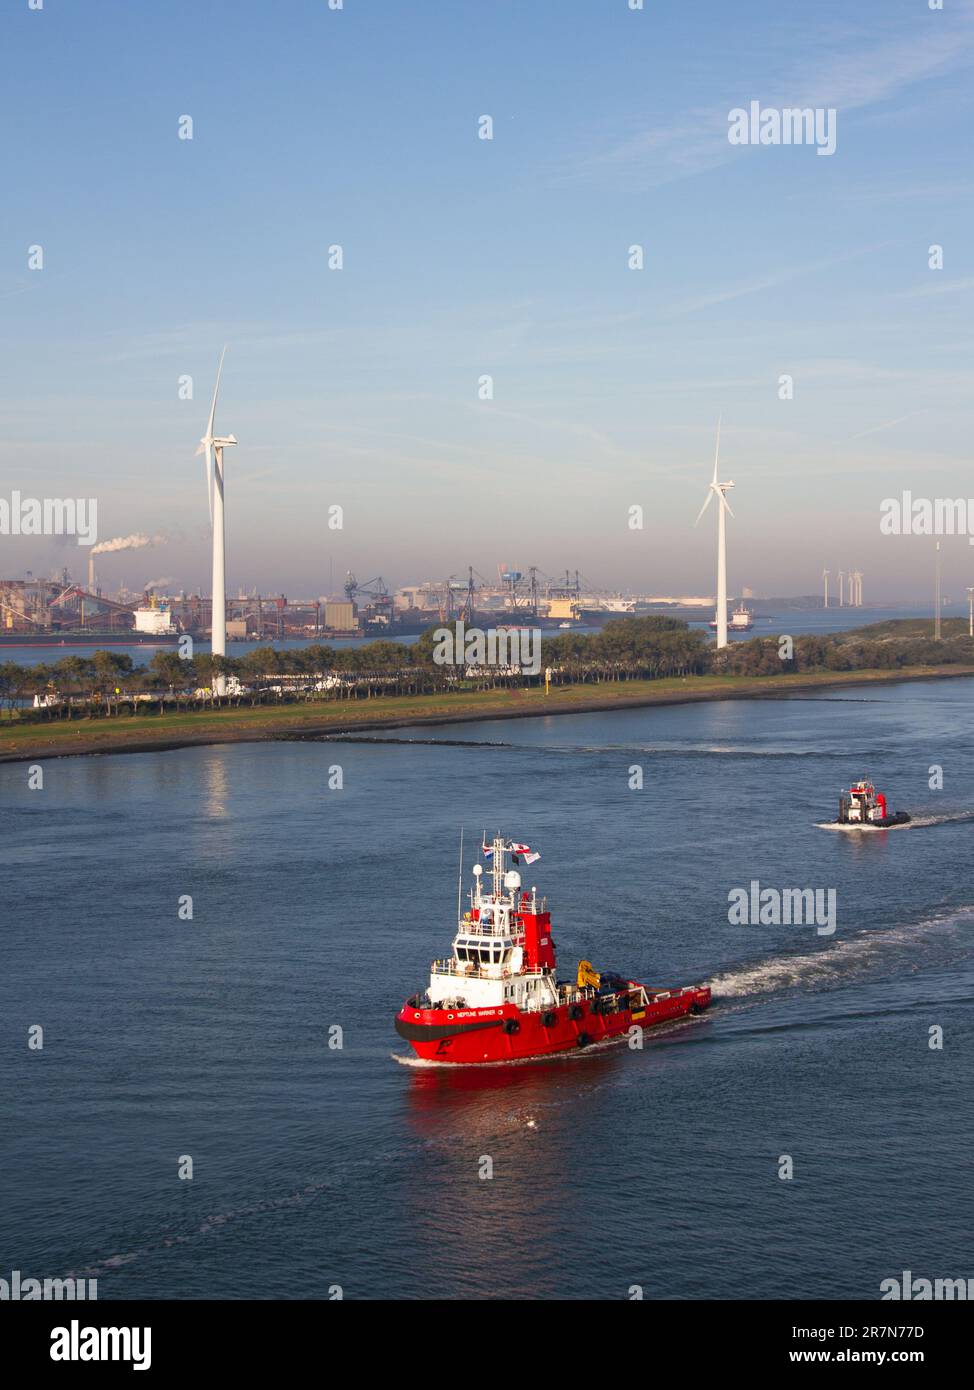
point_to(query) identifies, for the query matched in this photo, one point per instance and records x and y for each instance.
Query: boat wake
(659, 750)
(834, 964)
(682, 750)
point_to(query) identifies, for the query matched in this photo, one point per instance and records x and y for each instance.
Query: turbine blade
(726, 504)
(707, 501)
(216, 392)
(717, 450)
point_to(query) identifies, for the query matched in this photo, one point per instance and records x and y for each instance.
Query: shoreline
(294, 723)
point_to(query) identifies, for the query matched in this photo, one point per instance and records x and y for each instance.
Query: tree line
(649, 648)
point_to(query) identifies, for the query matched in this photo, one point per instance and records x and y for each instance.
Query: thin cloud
(697, 141)
(768, 282)
(937, 286)
(886, 425)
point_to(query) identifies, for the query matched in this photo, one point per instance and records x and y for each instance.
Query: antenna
(460, 880)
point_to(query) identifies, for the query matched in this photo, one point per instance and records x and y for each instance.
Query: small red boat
(497, 997)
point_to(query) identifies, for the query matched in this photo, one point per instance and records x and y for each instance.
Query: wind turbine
(212, 447)
(723, 506)
(825, 576)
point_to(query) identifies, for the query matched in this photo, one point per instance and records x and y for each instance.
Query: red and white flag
(526, 852)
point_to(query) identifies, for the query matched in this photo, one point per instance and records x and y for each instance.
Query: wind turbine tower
(842, 588)
(720, 489)
(825, 576)
(938, 600)
(212, 447)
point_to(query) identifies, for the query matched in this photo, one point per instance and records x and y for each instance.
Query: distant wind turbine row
(854, 578)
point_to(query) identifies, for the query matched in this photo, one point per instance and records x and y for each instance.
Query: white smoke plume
(162, 583)
(135, 542)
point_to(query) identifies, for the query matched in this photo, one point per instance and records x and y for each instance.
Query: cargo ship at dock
(497, 998)
(87, 638)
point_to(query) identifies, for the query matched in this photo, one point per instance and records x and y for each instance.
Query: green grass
(18, 739)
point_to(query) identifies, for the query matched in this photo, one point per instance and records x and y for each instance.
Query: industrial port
(66, 609)
(61, 608)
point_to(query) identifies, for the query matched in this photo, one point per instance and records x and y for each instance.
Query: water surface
(316, 1167)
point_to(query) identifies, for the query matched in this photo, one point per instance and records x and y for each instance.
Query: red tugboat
(863, 805)
(497, 998)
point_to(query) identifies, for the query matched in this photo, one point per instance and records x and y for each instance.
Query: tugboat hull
(508, 1034)
(898, 818)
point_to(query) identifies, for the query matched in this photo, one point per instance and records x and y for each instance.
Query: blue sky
(508, 257)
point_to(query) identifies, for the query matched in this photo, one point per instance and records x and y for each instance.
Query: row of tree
(842, 652)
(627, 649)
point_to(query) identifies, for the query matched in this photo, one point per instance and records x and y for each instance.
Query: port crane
(379, 608)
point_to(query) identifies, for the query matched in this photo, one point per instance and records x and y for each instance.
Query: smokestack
(134, 542)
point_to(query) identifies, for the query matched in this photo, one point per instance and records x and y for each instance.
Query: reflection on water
(439, 1090)
(216, 783)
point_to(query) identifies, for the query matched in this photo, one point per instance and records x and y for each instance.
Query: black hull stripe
(432, 1032)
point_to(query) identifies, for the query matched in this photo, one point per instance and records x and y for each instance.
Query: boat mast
(498, 869)
(460, 881)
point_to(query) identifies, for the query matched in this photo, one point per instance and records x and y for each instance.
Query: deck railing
(469, 971)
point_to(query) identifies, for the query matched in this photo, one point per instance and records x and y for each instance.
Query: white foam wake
(832, 963)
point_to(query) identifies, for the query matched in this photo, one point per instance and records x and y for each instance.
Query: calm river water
(315, 1167)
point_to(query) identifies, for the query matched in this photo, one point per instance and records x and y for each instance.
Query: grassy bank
(147, 732)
